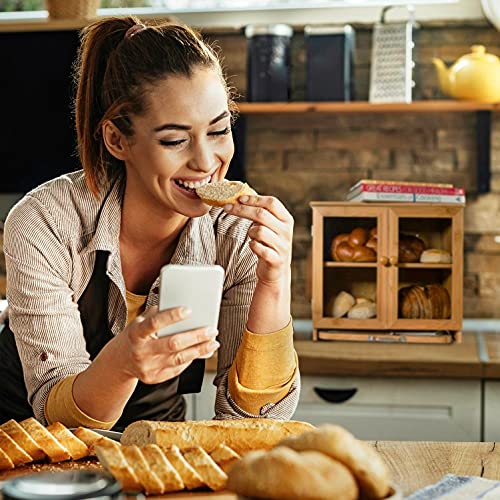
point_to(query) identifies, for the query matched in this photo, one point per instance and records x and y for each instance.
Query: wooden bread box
(387, 271)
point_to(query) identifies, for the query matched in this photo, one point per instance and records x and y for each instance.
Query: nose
(203, 157)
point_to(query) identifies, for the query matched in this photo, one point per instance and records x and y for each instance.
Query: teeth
(193, 185)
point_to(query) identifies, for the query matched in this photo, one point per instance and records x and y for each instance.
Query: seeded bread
(218, 194)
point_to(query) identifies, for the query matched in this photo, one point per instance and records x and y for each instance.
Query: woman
(84, 251)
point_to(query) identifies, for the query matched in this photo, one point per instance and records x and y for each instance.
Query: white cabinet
(395, 409)
(383, 408)
(492, 410)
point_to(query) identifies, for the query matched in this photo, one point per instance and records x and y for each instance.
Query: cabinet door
(436, 302)
(492, 410)
(394, 409)
(332, 276)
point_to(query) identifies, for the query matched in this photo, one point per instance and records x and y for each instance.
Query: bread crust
(359, 457)
(309, 475)
(23, 439)
(242, 435)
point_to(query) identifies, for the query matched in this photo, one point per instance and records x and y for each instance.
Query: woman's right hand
(143, 355)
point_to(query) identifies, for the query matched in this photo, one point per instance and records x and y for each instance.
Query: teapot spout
(443, 74)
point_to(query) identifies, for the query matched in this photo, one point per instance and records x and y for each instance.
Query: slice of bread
(224, 457)
(89, 437)
(5, 461)
(13, 450)
(47, 442)
(23, 439)
(147, 477)
(162, 468)
(218, 194)
(211, 474)
(189, 476)
(111, 457)
(77, 448)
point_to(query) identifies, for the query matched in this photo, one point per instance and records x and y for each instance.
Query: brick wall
(306, 157)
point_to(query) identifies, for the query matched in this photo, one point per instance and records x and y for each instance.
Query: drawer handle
(335, 395)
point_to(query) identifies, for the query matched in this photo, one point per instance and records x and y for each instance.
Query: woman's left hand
(271, 235)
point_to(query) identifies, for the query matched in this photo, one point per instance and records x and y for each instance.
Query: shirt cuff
(61, 407)
(264, 369)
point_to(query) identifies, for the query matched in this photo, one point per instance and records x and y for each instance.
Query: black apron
(148, 402)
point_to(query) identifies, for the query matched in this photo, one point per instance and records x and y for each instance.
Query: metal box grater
(392, 61)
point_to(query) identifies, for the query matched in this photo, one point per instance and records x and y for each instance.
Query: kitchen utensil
(392, 60)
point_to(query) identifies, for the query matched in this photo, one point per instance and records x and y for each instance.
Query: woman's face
(182, 140)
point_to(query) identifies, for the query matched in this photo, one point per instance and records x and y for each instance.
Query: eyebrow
(177, 126)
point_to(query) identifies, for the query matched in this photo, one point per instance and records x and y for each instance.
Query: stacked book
(400, 191)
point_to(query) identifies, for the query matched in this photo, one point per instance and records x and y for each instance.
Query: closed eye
(224, 131)
(172, 143)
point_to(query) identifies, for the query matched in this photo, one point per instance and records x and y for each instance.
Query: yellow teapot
(473, 77)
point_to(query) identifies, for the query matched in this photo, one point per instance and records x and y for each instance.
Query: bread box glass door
(347, 277)
(425, 268)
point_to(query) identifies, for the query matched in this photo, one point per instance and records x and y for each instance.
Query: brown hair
(112, 72)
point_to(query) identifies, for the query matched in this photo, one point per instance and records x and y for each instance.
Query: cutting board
(93, 464)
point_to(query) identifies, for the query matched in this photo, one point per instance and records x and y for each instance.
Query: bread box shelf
(393, 292)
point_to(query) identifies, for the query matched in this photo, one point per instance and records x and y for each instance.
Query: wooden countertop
(476, 357)
(412, 465)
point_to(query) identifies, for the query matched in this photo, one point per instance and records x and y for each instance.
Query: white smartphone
(197, 287)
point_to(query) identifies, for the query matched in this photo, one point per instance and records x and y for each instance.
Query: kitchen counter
(476, 357)
(414, 465)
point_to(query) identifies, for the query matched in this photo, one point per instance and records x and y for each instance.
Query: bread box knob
(393, 260)
(384, 260)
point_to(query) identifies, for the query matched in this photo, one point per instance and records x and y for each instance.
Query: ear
(115, 141)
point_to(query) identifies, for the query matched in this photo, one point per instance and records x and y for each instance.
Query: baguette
(13, 450)
(23, 439)
(147, 477)
(211, 474)
(218, 194)
(224, 457)
(242, 435)
(49, 444)
(162, 468)
(90, 438)
(189, 476)
(5, 461)
(77, 448)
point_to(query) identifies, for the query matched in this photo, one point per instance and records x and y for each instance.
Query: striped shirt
(50, 243)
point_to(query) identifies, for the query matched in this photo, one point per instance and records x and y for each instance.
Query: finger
(152, 320)
(259, 215)
(194, 352)
(271, 203)
(265, 253)
(267, 237)
(181, 341)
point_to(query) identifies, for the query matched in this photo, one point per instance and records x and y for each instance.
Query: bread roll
(435, 256)
(351, 247)
(359, 457)
(410, 248)
(242, 435)
(218, 194)
(358, 237)
(363, 310)
(285, 474)
(342, 304)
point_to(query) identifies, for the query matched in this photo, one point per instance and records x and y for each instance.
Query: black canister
(329, 66)
(268, 62)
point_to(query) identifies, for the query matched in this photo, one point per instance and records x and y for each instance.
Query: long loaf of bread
(241, 435)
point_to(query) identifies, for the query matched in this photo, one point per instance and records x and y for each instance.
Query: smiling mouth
(191, 186)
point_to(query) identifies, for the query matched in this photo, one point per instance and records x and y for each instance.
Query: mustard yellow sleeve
(264, 369)
(61, 407)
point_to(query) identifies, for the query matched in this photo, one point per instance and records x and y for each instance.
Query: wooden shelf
(427, 106)
(350, 264)
(418, 265)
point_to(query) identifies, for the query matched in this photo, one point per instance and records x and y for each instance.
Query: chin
(197, 210)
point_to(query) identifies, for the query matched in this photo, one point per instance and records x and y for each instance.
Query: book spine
(400, 183)
(410, 197)
(408, 188)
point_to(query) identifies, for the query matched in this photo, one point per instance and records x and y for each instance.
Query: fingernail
(228, 207)
(211, 331)
(243, 199)
(214, 345)
(185, 311)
